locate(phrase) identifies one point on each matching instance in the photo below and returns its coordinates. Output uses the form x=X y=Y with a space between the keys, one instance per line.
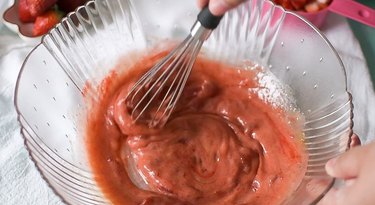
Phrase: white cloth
x=342 y=38
x=20 y=182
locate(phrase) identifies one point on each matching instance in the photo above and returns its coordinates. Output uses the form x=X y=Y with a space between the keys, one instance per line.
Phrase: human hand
x=356 y=167
x=219 y=7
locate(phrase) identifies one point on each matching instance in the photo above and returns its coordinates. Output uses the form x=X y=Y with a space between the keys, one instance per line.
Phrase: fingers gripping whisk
x=154 y=96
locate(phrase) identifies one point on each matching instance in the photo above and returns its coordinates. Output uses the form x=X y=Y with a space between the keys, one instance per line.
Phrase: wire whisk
x=154 y=96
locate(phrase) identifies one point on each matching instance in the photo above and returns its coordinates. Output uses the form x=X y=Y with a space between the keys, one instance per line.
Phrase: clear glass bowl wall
x=87 y=44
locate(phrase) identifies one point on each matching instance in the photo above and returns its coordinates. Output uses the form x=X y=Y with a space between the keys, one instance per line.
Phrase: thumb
x=330 y=198
x=219 y=7
x=337 y=197
x=347 y=165
x=202 y=3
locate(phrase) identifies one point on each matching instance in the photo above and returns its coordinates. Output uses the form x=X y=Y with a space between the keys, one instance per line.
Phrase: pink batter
x=222 y=144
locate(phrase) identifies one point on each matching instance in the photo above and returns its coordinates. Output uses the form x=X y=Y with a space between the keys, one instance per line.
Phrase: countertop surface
x=366 y=38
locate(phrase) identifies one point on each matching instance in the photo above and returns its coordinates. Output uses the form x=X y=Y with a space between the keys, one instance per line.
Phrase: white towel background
x=20 y=182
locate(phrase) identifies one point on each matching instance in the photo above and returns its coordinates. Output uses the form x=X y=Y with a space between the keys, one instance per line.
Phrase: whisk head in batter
x=154 y=96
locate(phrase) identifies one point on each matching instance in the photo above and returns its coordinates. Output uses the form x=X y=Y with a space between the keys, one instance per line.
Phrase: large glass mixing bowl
x=86 y=45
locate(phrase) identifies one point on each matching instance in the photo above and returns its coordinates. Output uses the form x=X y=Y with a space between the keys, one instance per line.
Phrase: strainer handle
x=354 y=10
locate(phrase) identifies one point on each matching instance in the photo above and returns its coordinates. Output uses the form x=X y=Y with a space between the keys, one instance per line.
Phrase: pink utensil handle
x=354 y=10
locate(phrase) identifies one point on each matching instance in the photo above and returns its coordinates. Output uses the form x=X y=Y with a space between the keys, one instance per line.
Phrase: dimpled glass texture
x=85 y=47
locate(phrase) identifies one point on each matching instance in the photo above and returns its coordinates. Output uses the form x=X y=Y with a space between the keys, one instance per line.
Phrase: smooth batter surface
x=222 y=145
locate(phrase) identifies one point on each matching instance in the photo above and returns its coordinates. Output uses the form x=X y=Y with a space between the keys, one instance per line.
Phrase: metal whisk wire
x=175 y=69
